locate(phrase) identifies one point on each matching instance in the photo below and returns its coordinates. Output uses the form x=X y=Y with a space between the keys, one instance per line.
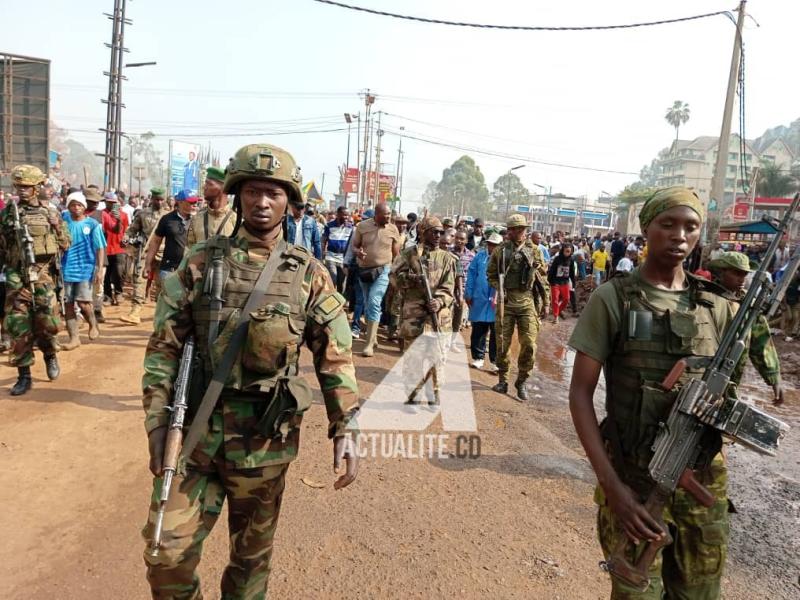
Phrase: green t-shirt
x=601 y=319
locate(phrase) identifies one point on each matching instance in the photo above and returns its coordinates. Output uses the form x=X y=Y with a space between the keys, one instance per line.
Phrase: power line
x=518 y=27
x=219 y=135
x=406 y=135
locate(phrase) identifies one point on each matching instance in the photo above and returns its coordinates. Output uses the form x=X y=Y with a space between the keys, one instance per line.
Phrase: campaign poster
x=184 y=167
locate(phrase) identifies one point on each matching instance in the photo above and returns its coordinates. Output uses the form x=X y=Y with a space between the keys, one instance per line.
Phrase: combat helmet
x=516 y=220
x=27 y=175
x=270 y=163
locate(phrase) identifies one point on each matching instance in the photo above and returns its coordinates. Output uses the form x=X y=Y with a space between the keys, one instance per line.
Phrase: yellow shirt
x=599 y=259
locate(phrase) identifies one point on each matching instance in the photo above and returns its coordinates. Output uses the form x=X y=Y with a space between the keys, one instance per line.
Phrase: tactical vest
x=275 y=331
x=648 y=345
x=518 y=265
x=45 y=242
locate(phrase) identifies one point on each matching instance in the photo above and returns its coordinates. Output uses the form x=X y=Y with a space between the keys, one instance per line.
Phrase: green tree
x=77 y=161
x=774 y=181
x=429 y=195
x=677 y=115
x=144 y=155
x=509 y=188
x=462 y=190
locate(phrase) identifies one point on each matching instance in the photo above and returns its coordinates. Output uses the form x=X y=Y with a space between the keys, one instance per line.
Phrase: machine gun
x=25 y=244
x=174 y=439
x=138 y=242
x=702 y=403
x=501 y=301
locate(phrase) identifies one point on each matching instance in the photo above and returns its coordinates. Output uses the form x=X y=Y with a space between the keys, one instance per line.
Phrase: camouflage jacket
x=441 y=266
x=196 y=232
x=525 y=274
x=144 y=222
x=10 y=252
x=328 y=339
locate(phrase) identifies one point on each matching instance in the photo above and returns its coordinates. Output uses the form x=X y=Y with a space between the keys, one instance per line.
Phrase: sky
x=236 y=72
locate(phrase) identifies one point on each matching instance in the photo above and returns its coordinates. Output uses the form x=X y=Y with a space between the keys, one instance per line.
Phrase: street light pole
x=347 y=117
x=508 y=186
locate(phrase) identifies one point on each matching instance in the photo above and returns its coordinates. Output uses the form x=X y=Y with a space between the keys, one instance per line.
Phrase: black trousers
x=477 y=340
x=116 y=263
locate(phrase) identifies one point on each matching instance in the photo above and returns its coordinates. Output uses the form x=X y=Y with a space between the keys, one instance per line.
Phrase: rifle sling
x=199 y=426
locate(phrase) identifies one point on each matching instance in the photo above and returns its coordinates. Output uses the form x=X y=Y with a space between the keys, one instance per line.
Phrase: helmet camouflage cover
x=268 y=163
x=27 y=175
x=516 y=220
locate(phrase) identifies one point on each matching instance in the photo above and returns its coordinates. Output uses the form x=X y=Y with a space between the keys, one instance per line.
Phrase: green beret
x=731 y=260
x=667 y=198
x=157 y=191
x=216 y=174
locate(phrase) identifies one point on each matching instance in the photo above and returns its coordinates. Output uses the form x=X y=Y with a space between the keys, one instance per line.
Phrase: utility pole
x=378 y=161
x=721 y=167
x=369 y=100
x=140 y=174
x=508 y=186
x=397 y=170
x=111 y=158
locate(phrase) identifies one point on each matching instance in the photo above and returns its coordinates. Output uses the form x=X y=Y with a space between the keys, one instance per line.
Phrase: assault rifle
x=702 y=403
x=435 y=325
x=501 y=300
x=174 y=439
x=58 y=271
x=138 y=242
x=25 y=244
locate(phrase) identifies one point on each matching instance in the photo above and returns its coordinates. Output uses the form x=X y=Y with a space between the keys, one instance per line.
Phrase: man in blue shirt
x=302 y=230
x=334 y=244
x=81 y=265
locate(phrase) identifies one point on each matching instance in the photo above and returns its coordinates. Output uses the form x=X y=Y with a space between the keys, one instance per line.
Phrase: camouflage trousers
x=526 y=321
x=196 y=499
x=140 y=284
x=30 y=320
x=423 y=360
x=691 y=567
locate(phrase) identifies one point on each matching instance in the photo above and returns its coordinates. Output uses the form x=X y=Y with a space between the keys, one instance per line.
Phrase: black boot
x=53 y=370
x=501 y=388
x=98 y=315
x=24 y=381
x=522 y=391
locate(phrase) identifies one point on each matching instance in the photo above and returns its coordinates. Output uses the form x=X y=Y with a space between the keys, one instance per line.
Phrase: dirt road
x=518 y=522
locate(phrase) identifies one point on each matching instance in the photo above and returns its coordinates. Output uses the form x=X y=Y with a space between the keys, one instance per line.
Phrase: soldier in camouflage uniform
x=526 y=299
x=416 y=309
x=140 y=232
x=217 y=217
x=30 y=305
x=245 y=452
x=730 y=271
x=634 y=328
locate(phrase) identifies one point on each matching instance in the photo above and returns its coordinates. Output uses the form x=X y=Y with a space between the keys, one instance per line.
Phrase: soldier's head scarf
x=667 y=198
x=429 y=223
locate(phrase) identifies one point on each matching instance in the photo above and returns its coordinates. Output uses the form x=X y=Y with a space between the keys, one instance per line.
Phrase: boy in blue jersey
x=81 y=265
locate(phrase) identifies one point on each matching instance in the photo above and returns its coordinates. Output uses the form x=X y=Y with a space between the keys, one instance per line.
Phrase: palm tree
x=773 y=182
x=677 y=115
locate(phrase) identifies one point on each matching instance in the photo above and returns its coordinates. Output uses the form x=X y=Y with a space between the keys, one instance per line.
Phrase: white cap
x=77 y=197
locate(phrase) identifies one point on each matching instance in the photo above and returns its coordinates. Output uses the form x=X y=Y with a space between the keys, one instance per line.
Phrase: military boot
x=500 y=387
x=522 y=391
x=133 y=317
x=372 y=337
x=74 y=339
x=51 y=365
x=24 y=381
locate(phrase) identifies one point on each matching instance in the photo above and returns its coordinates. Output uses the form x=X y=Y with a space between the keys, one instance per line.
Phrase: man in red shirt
x=115 y=223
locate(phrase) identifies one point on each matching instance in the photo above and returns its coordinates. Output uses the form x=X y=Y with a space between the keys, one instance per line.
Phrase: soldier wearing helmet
x=526 y=296
x=730 y=271
x=243 y=450
x=30 y=316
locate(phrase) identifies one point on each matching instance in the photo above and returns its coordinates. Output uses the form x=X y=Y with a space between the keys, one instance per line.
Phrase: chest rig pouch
x=649 y=344
x=274 y=331
x=45 y=243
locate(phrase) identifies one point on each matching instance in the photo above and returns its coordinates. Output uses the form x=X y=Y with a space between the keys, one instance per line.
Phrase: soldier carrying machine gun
x=702 y=403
